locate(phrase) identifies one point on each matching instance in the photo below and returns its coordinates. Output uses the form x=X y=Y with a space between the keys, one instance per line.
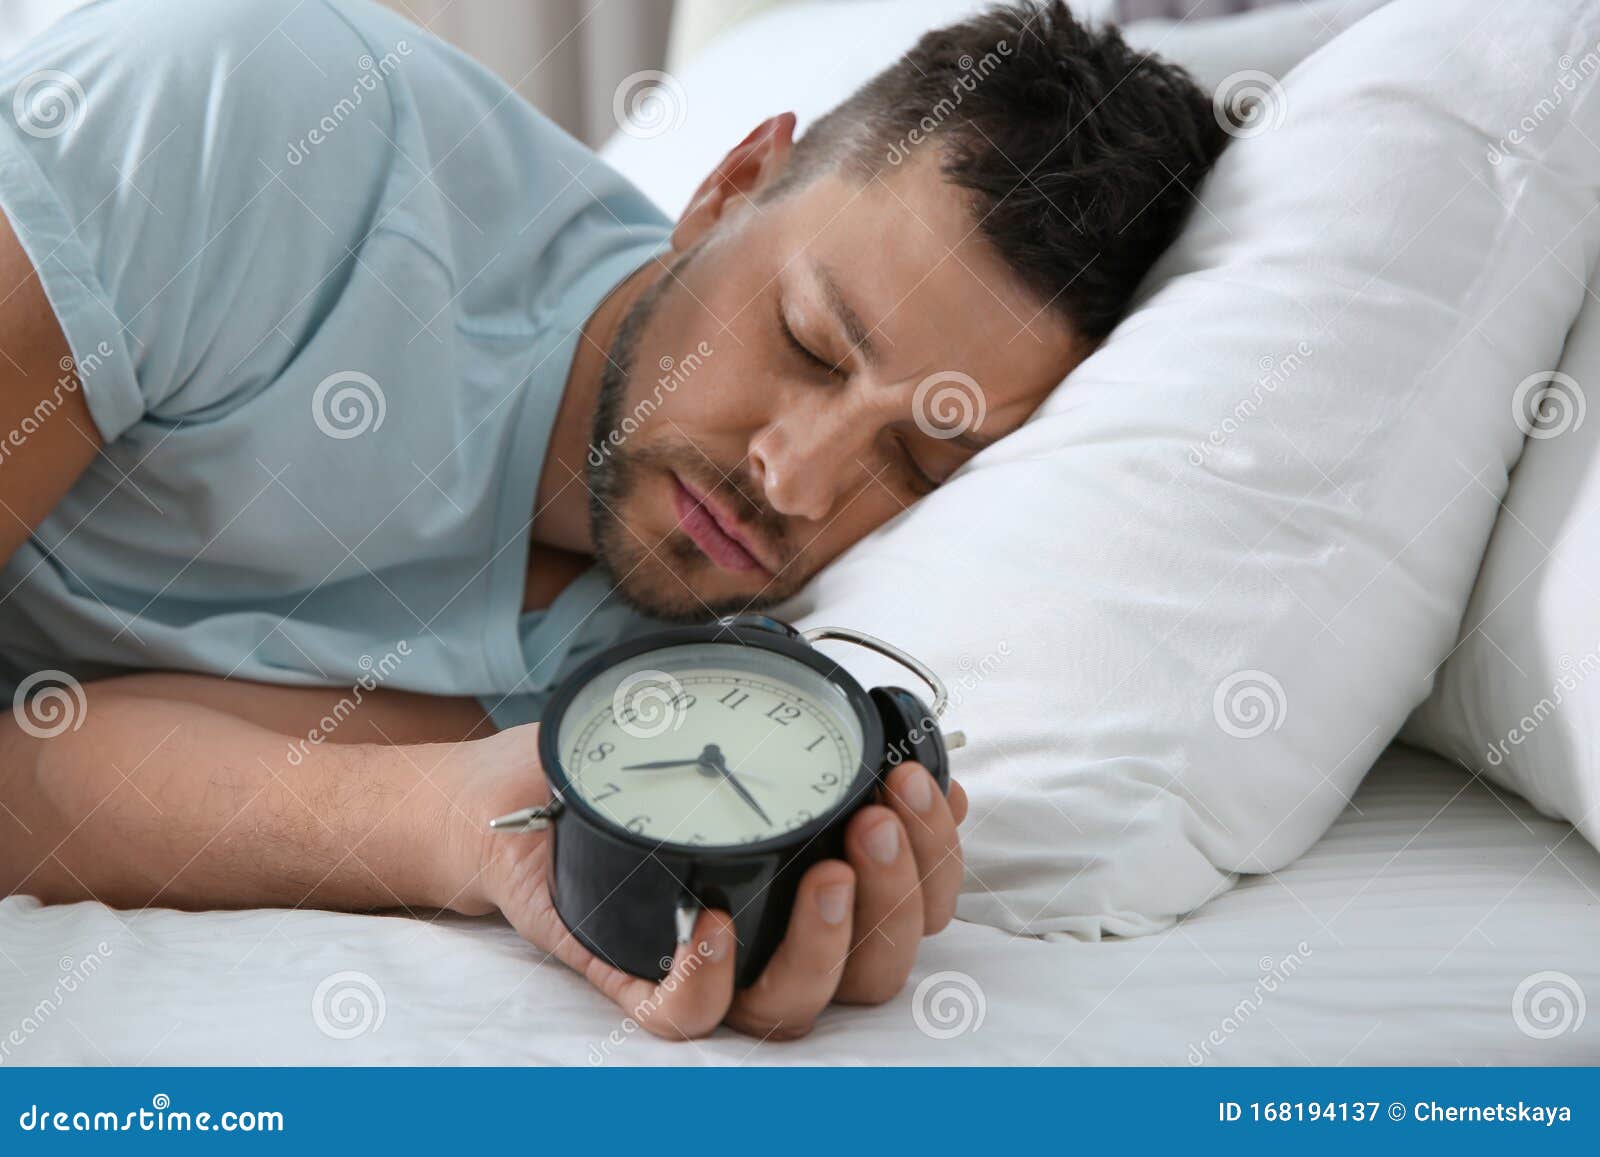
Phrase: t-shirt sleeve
x=192 y=180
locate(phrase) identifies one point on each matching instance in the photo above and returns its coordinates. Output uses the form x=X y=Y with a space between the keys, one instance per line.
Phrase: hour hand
x=698 y=764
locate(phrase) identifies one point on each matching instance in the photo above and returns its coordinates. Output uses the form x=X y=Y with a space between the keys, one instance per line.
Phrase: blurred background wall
x=566 y=56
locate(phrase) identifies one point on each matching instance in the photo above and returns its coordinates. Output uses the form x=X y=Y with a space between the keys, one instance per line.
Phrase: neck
x=561 y=509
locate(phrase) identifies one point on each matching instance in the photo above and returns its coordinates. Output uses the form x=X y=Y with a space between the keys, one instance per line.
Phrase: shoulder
x=207 y=62
x=222 y=33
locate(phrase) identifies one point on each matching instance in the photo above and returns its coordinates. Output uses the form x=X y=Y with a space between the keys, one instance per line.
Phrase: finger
x=693 y=998
x=888 y=916
x=958 y=802
x=804 y=973
x=929 y=825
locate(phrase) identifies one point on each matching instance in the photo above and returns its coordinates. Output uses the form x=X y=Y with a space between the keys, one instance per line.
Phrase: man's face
x=812 y=365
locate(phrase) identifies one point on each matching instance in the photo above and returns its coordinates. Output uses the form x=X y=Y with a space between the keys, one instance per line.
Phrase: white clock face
x=710 y=744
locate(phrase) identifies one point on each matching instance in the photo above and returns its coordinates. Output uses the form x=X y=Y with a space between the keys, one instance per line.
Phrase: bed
x=1402 y=938
x=1438 y=922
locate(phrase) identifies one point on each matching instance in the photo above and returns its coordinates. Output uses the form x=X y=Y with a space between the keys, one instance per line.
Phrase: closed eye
x=921 y=482
x=801 y=349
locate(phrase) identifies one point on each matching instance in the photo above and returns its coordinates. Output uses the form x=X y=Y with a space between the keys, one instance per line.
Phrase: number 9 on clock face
x=710 y=745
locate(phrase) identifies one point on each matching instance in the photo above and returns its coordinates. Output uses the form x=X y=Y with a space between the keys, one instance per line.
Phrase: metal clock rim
x=941 y=695
x=571 y=801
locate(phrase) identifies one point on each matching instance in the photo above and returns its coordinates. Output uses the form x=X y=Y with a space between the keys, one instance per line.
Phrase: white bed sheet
x=1422 y=911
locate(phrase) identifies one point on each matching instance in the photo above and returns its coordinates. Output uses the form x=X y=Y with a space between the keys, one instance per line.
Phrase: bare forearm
x=159 y=802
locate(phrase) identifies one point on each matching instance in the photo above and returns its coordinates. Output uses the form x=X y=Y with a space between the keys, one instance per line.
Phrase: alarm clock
x=710 y=767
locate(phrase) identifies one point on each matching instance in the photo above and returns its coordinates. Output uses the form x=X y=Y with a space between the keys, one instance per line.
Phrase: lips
x=716 y=534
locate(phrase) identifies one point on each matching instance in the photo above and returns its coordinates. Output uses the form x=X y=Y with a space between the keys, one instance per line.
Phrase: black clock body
x=618 y=892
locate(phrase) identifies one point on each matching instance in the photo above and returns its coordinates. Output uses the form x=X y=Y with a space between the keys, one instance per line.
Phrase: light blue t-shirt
x=323 y=277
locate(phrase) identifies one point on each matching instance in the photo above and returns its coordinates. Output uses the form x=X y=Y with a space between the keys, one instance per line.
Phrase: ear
x=752 y=163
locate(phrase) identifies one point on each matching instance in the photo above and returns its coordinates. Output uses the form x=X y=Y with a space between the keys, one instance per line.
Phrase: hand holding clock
x=852 y=936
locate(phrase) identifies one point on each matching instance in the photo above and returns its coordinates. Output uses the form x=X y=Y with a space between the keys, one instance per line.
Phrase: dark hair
x=1080 y=153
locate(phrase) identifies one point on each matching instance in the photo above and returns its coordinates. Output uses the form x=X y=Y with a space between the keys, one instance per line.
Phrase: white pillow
x=1194 y=598
x=1518 y=701
x=1271 y=40
x=792 y=58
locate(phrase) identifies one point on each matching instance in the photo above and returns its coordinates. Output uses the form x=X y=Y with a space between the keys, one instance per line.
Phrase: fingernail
x=917 y=790
x=833 y=903
x=716 y=945
x=883 y=842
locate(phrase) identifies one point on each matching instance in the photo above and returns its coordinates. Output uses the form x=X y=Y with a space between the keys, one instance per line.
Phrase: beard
x=641 y=573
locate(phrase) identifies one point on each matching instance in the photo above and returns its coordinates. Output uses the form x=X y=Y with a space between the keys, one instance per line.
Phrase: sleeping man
x=347 y=404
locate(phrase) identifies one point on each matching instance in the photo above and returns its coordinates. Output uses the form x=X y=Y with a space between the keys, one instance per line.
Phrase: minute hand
x=721 y=769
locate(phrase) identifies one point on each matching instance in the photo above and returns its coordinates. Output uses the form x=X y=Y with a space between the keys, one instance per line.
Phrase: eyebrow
x=860 y=337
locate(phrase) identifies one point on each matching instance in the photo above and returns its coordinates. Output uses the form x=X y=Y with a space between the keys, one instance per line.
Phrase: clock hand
x=712 y=757
x=704 y=767
x=744 y=793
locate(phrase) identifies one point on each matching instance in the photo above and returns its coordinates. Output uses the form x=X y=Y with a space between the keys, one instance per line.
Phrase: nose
x=804 y=458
